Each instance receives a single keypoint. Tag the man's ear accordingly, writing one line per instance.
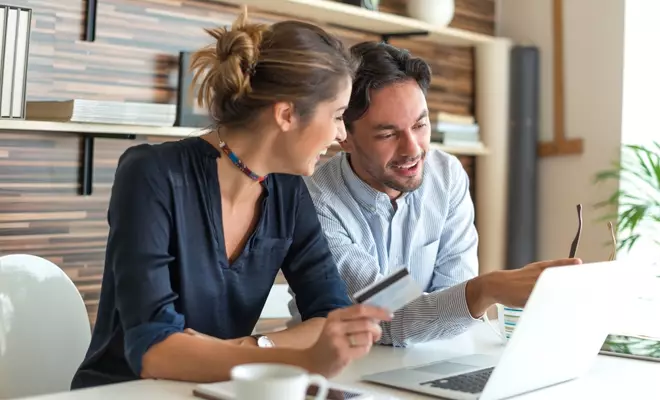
(285, 115)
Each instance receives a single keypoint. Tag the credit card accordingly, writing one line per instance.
(391, 293)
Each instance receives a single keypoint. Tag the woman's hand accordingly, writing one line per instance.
(348, 334)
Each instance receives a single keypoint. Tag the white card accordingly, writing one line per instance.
(391, 293)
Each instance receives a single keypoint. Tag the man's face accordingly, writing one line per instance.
(389, 143)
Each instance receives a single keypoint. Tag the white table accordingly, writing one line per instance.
(610, 378)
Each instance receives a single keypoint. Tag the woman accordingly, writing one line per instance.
(199, 228)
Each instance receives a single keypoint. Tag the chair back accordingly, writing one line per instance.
(44, 327)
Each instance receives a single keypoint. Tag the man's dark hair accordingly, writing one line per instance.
(381, 64)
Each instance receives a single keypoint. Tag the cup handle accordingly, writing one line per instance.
(490, 325)
(322, 384)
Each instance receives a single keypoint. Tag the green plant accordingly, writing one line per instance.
(637, 198)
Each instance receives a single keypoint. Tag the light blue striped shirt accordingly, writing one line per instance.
(431, 231)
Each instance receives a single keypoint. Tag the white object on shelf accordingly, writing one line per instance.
(471, 150)
(438, 13)
(102, 112)
(110, 129)
(353, 17)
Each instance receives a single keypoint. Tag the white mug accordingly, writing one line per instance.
(275, 382)
(507, 319)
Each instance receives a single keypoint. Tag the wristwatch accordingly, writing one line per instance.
(263, 341)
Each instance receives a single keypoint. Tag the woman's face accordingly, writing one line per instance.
(305, 145)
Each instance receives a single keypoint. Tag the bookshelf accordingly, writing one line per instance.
(100, 129)
(129, 131)
(361, 19)
(477, 150)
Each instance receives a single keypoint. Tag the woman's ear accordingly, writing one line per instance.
(285, 116)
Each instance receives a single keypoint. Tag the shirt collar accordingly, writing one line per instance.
(365, 195)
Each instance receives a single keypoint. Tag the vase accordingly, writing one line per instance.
(438, 13)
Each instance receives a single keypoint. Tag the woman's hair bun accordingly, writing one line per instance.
(251, 67)
(223, 70)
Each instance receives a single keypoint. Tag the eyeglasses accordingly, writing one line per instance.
(576, 240)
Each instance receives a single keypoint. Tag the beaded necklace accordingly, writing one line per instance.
(237, 162)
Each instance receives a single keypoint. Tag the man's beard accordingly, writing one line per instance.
(412, 183)
(409, 186)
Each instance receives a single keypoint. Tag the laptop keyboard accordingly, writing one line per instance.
(472, 382)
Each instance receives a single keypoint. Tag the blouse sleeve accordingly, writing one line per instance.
(137, 253)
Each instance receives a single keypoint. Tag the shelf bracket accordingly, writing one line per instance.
(87, 161)
(90, 21)
(385, 37)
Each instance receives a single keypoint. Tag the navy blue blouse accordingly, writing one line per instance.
(166, 268)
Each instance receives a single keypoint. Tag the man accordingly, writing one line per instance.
(389, 201)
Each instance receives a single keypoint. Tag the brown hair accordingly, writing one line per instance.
(252, 66)
(381, 64)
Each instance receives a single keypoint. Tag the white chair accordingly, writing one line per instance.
(44, 328)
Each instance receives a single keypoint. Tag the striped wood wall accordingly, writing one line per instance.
(135, 58)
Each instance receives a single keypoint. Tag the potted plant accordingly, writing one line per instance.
(638, 197)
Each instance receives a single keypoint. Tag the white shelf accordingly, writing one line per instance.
(106, 129)
(361, 19)
(456, 150)
(479, 150)
(144, 130)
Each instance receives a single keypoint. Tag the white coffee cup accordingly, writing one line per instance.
(507, 319)
(275, 382)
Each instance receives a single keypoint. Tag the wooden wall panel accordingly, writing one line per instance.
(135, 54)
(135, 58)
(41, 212)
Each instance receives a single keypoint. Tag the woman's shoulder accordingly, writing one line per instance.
(156, 157)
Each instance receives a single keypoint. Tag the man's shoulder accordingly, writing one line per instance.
(442, 163)
(326, 183)
(443, 168)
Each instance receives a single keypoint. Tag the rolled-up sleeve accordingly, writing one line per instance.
(140, 224)
(309, 267)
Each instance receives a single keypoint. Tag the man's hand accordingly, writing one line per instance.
(516, 285)
(510, 287)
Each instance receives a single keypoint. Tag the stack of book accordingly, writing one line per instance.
(456, 131)
(102, 112)
(15, 29)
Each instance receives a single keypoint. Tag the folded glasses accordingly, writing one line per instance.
(576, 240)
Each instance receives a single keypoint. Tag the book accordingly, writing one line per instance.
(14, 50)
(102, 112)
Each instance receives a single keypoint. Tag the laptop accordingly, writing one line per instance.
(566, 319)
